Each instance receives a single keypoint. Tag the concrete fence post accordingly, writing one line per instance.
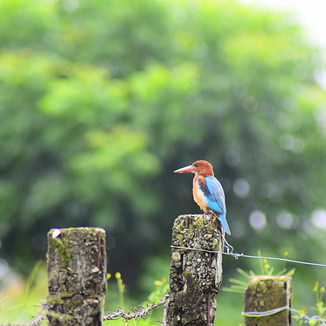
(195, 276)
(76, 276)
(265, 293)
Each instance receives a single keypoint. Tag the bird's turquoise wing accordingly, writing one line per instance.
(215, 197)
(214, 194)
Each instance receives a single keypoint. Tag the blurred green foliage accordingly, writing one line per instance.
(20, 301)
(100, 101)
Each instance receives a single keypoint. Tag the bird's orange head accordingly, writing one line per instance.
(199, 167)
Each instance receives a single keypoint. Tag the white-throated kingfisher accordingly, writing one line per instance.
(207, 191)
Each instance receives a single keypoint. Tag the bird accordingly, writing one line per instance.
(207, 191)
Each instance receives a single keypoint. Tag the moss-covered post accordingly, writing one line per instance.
(266, 293)
(76, 276)
(195, 276)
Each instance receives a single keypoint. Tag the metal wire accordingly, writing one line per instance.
(300, 316)
(137, 313)
(237, 255)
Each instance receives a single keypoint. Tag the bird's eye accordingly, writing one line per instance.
(196, 165)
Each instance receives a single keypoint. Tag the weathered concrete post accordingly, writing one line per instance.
(195, 276)
(265, 293)
(76, 276)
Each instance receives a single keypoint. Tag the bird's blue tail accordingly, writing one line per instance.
(225, 224)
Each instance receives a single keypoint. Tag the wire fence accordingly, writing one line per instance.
(137, 313)
(238, 255)
(142, 312)
(295, 313)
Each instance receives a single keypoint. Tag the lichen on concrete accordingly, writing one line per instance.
(195, 278)
(265, 293)
(76, 276)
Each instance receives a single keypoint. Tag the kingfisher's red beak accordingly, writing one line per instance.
(186, 169)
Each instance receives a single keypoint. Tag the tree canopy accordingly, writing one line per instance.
(101, 100)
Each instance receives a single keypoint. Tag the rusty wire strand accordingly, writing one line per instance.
(137, 313)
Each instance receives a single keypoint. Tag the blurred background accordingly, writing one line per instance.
(101, 100)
